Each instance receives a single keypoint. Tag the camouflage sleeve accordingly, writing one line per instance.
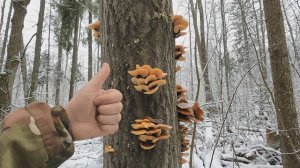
(35, 136)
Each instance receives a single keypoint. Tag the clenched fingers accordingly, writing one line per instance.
(109, 119)
(108, 97)
(110, 109)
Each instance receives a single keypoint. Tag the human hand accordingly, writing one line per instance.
(95, 112)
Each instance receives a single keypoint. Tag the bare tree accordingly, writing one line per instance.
(5, 36)
(13, 55)
(37, 54)
(284, 100)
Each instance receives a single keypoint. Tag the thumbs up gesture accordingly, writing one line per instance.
(95, 112)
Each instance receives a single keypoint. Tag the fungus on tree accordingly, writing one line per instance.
(150, 131)
(179, 24)
(147, 79)
(179, 51)
(95, 27)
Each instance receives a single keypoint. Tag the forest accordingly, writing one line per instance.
(205, 83)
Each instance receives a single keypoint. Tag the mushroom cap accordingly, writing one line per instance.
(138, 132)
(96, 34)
(157, 83)
(166, 136)
(183, 161)
(141, 81)
(157, 132)
(134, 80)
(151, 78)
(156, 121)
(181, 58)
(147, 67)
(94, 26)
(148, 125)
(176, 17)
(187, 112)
(146, 138)
(142, 120)
(180, 48)
(185, 120)
(178, 68)
(141, 88)
(198, 112)
(139, 72)
(158, 73)
(147, 145)
(185, 105)
(185, 149)
(182, 99)
(184, 154)
(137, 126)
(164, 127)
(108, 149)
(152, 90)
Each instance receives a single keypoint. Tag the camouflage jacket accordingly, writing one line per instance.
(35, 137)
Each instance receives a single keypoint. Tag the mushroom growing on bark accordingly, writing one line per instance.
(179, 51)
(179, 24)
(146, 79)
(150, 131)
(95, 27)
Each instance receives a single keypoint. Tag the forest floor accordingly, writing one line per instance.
(88, 153)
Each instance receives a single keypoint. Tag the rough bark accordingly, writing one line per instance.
(287, 118)
(90, 47)
(5, 37)
(75, 54)
(37, 54)
(13, 55)
(140, 32)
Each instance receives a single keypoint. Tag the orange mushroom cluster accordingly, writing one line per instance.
(96, 29)
(179, 24)
(187, 113)
(147, 79)
(179, 51)
(108, 149)
(185, 142)
(150, 131)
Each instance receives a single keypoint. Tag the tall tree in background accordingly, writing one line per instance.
(75, 51)
(63, 35)
(2, 14)
(90, 43)
(203, 56)
(286, 112)
(13, 55)
(37, 54)
(5, 36)
(144, 36)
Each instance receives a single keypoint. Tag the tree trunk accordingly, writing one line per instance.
(37, 54)
(203, 57)
(287, 118)
(13, 55)
(75, 54)
(5, 37)
(48, 54)
(225, 49)
(140, 32)
(2, 14)
(24, 71)
(58, 69)
(90, 47)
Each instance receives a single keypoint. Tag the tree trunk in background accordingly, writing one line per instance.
(287, 118)
(37, 54)
(24, 71)
(225, 49)
(140, 32)
(90, 46)
(2, 14)
(292, 37)
(48, 54)
(5, 37)
(13, 55)
(75, 54)
(203, 57)
(58, 67)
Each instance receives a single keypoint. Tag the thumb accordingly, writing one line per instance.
(98, 80)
